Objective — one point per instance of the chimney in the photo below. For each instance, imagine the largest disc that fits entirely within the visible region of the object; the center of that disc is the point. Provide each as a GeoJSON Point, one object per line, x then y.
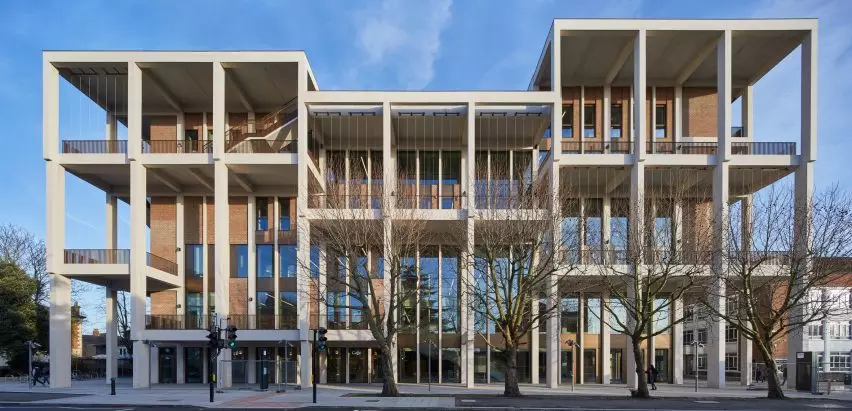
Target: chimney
{"type": "Point", "coordinates": [96, 332]}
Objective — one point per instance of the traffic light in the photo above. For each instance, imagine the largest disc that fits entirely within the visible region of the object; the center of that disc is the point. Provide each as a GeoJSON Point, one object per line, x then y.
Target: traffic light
{"type": "Point", "coordinates": [213, 339]}
{"type": "Point", "coordinates": [321, 339]}
{"type": "Point", "coordinates": [232, 336]}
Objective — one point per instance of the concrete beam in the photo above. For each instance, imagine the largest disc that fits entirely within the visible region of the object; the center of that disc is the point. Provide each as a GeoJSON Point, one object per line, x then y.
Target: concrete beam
{"type": "Point", "coordinates": [244, 100]}
{"type": "Point", "coordinates": [203, 179]}
{"type": "Point", "coordinates": [617, 180]}
{"type": "Point", "coordinates": [619, 62]}
{"type": "Point", "coordinates": [170, 98]}
{"type": "Point", "coordinates": [696, 61]}
{"type": "Point", "coordinates": [244, 182]}
{"type": "Point", "coordinates": [165, 179]}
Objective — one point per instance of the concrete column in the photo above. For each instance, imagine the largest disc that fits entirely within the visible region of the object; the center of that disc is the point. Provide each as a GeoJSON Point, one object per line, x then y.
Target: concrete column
{"type": "Point", "coordinates": [605, 344]}
{"type": "Point", "coordinates": [205, 256]}
{"type": "Point", "coordinates": [629, 357]}
{"type": "Point", "coordinates": [303, 250]}
{"type": "Point", "coordinates": [181, 252]}
{"type": "Point", "coordinates": [111, 127]}
{"type": "Point", "coordinates": [134, 110]}
{"type": "Point", "coordinates": [138, 264]}
{"type": "Point", "coordinates": [826, 339]}
{"type": "Point", "coordinates": [678, 115]}
{"type": "Point", "coordinates": [723, 101]}
{"type": "Point", "coordinates": [640, 130]}
{"type": "Point", "coordinates": [809, 97]}
{"type": "Point", "coordinates": [219, 114]}
{"type": "Point", "coordinates": [556, 81]}
{"type": "Point", "coordinates": [553, 360]}
{"type": "Point", "coordinates": [653, 137]}
{"type": "Point", "coordinates": [471, 158]}
{"type": "Point", "coordinates": [534, 344]}
{"type": "Point", "coordinates": [467, 315]}
{"type": "Point", "coordinates": [582, 109]}
{"type": "Point", "coordinates": [252, 260]}
{"type": "Point", "coordinates": [181, 364]}
{"type": "Point", "coordinates": [50, 113]}
{"type": "Point", "coordinates": [579, 361]}
{"type": "Point", "coordinates": [389, 169]}
{"type": "Point", "coordinates": [607, 116]}
{"type": "Point", "coordinates": [111, 334]}
{"type": "Point", "coordinates": [276, 255]}
{"type": "Point", "coordinates": [153, 370]}
{"type": "Point", "coordinates": [222, 258]}
{"type": "Point", "coordinates": [677, 342]}
{"type": "Point", "coordinates": [747, 110]}
{"type": "Point", "coordinates": [745, 358]}
{"type": "Point", "coordinates": [179, 129]}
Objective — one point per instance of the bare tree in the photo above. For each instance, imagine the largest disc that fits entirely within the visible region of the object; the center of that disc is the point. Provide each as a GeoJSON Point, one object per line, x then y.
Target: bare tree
{"type": "Point", "coordinates": [122, 305]}
{"type": "Point", "coordinates": [784, 264]}
{"type": "Point", "coordinates": [515, 263]}
{"type": "Point", "coordinates": [370, 245]}
{"type": "Point", "coordinates": [657, 253]}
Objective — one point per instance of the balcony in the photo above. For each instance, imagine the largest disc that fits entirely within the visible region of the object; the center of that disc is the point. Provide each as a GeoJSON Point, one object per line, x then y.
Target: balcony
{"type": "Point", "coordinates": [264, 321]}
{"type": "Point", "coordinates": [94, 146]}
{"type": "Point", "coordinates": [177, 322]}
{"type": "Point", "coordinates": [160, 263]}
{"type": "Point", "coordinates": [176, 147]}
{"type": "Point", "coordinates": [261, 145]}
{"type": "Point", "coordinates": [690, 147]}
{"type": "Point", "coordinates": [596, 147]}
{"type": "Point", "coordinates": [97, 256]}
{"type": "Point", "coordinates": [768, 148]}
{"type": "Point", "coordinates": [343, 201]}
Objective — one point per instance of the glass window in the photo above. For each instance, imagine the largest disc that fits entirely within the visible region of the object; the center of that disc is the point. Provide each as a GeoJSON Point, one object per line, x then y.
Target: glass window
{"type": "Point", "coordinates": [567, 121]}
{"type": "Point", "coordinates": [450, 179]}
{"type": "Point", "coordinates": [287, 253]}
{"type": "Point", "coordinates": [589, 122]}
{"type": "Point", "coordinates": [265, 310]}
{"type": "Point", "coordinates": [262, 213]}
{"type": "Point", "coordinates": [702, 361]}
{"type": "Point", "coordinates": [730, 333]}
{"type": "Point", "coordinates": [284, 217]}
{"type": "Point", "coordinates": [194, 264]}
{"type": "Point", "coordinates": [264, 260]}
{"type": "Point", "coordinates": [288, 311]}
{"type": "Point", "coordinates": [239, 260]}
{"type": "Point", "coordinates": [615, 120]}
{"type": "Point", "coordinates": [660, 121]}
{"type": "Point", "coordinates": [570, 314]}
{"type": "Point", "coordinates": [732, 362]}
{"type": "Point", "coordinates": [194, 304]}
{"type": "Point", "coordinates": [429, 289]}
{"type": "Point", "coordinates": [618, 315]}
{"type": "Point", "coordinates": [592, 323]}
{"type": "Point", "coordinates": [315, 261]}
{"type": "Point", "coordinates": [661, 318]}
{"type": "Point", "coordinates": [702, 336]}
{"type": "Point", "coordinates": [450, 314]}
{"type": "Point", "coordinates": [688, 337]}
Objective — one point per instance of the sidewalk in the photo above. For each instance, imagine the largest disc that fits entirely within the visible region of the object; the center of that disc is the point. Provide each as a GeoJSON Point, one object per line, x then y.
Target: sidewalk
{"type": "Point", "coordinates": [97, 393]}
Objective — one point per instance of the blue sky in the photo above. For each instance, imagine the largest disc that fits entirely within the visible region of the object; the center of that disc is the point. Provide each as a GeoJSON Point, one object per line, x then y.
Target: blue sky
{"type": "Point", "coordinates": [383, 44]}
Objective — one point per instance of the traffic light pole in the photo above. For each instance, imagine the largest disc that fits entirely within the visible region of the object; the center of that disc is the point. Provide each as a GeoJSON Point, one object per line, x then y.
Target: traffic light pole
{"type": "Point", "coordinates": [314, 363]}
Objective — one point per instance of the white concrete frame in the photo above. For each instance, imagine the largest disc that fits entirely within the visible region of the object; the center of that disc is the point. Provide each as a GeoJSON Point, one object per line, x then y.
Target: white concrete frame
{"type": "Point", "coordinates": [636, 163]}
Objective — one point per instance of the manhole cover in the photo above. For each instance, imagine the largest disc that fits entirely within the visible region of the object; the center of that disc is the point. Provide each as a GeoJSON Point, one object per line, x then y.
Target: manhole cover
{"type": "Point", "coordinates": [707, 402]}
{"type": "Point", "coordinates": [372, 401]}
{"type": "Point", "coordinates": [468, 400]}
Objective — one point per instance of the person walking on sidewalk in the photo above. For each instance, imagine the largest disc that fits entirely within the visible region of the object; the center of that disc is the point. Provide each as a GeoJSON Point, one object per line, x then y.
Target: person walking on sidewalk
{"type": "Point", "coordinates": [652, 376]}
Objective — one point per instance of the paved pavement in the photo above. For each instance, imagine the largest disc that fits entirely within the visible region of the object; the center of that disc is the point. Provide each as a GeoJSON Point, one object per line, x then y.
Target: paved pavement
{"type": "Point", "coordinates": [360, 397]}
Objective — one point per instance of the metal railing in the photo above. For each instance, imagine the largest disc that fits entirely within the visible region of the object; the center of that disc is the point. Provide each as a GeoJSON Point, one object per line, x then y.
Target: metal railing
{"type": "Point", "coordinates": [763, 148]}
{"type": "Point", "coordinates": [689, 147]}
{"type": "Point", "coordinates": [596, 147]}
{"type": "Point", "coordinates": [620, 147]}
{"type": "Point", "coordinates": [265, 124]}
{"type": "Point", "coordinates": [336, 320]}
{"type": "Point", "coordinates": [176, 146]}
{"type": "Point", "coordinates": [177, 322]}
{"type": "Point", "coordinates": [430, 202]}
{"type": "Point", "coordinates": [264, 146]}
{"type": "Point", "coordinates": [343, 201]}
{"type": "Point", "coordinates": [160, 263]}
{"type": "Point", "coordinates": [97, 256]}
{"type": "Point", "coordinates": [760, 257]}
{"type": "Point", "coordinates": [264, 321]}
{"type": "Point", "coordinates": [94, 146]}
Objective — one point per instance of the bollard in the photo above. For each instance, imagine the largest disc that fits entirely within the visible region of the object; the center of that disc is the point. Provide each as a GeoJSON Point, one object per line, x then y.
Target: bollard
{"type": "Point", "coordinates": [112, 386]}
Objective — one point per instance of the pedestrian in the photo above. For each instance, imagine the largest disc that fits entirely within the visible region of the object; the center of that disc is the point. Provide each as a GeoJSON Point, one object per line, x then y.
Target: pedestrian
{"type": "Point", "coordinates": [34, 374]}
{"type": "Point", "coordinates": [652, 376]}
{"type": "Point", "coordinates": [758, 375]}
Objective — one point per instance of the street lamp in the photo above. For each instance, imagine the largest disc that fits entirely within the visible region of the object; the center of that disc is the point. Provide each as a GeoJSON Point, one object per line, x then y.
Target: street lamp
{"type": "Point", "coordinates": [696, 345]}
{"type": "Point", "coordinates": [573, 346]}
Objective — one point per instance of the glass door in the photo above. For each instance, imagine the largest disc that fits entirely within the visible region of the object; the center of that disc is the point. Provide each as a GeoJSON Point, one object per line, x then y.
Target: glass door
{"type": "Point", "coordinates": [616, 365]}
{"type": "Point", "coordinates": [661, 361]}
{"type": "Point", "coordinates": [590, 365]}
{"type": "Point", "coordinates": [167, 366]}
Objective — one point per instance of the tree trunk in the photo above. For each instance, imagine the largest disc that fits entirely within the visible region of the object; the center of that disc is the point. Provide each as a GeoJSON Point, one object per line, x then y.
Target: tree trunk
{"type": "Point", "coordinates": [511, 385]}
{"type": "Point", "coordinates": [775, 389]}
{"type": "Point", "coordinates": [389, 387]}
{"type": "Point", "coordinates": [642, 387]}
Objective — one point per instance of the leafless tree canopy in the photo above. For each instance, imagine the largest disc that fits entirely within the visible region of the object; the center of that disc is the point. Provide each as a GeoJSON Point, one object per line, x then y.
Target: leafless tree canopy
{"type": "Point", "coordinates": [784, 262]}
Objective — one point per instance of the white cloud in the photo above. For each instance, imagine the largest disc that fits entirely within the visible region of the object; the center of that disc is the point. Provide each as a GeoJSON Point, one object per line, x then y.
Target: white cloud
{"type": "Point", "coordinates": [404, 37]}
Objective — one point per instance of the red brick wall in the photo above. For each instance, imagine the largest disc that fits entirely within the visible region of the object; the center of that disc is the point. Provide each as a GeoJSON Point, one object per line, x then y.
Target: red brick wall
{"type": "Point", "coordinates": [164, 227]}
{"type": "Point", "coordinates": [238, 289]}
{"type": "Point", "coordinates": [164, 302]}
{"type": "Point", "coordinates": [163, 127]}
{"type": "Point", "coordinates": [192, 224]}
{"type": "Point", "coordinates": [699, 112]}
{"type": "Point", "coordinates": [238, 218]}
{"type": "Point", "coordinates": [211, 220]}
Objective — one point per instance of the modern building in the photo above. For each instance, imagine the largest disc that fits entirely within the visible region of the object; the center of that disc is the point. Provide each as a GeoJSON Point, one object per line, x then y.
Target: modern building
{"type": "Point", "coordinates": [223, 157]}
